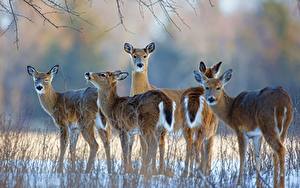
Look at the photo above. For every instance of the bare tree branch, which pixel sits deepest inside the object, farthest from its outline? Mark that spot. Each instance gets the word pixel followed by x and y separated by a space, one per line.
pixel 15 23
pixel 212 5
pixel 160 10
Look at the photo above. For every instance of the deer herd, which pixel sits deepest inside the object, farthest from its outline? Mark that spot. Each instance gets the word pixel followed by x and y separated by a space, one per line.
pixel 152 112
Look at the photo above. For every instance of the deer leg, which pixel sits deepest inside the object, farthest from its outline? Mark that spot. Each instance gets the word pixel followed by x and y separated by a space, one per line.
pixel 162 152
pixel 257 146
pixel 74 134
pixel 152 150
pixel 130 145
pixel 105 137
pixel 243 144
pixel 188 153
pixel 206 155
pixel 273 139
pixel 275 163
pixel 199 145
pixel 145 155
pixel 125 148
pixel 192 159
pixel 63 146
pixel 279 155
pixel 89 137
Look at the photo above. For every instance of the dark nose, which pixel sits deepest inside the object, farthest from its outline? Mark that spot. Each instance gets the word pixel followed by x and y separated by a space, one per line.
pixel 140 65
pixel 39 88
pixel 87 75
pixel 211 99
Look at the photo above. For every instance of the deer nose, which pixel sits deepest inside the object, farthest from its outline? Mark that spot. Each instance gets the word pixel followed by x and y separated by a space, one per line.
pixel 87 75
pixel 211 99
pixel 140 65
pixel 39 87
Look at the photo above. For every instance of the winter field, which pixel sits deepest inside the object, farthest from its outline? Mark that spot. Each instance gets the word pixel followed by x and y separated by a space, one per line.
pixel 29 159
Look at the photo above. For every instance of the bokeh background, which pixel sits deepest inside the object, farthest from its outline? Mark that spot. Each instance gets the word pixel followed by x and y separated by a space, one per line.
pixel 259 40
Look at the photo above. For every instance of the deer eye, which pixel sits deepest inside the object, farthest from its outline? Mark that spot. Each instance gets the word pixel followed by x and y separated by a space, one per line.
pixel 134 56
pixel 145 56
pixel 218 88
pixel 207 88
pixel 102 75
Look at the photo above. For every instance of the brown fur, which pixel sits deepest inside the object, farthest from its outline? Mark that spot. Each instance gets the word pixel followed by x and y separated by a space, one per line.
pixel 68 109
pixel 140 84
pixel 127 113
pixel 268 110
pixel 196 136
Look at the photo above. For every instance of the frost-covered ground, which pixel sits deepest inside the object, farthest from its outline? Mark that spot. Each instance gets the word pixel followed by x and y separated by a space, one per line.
pixel 99 178
pixel 30 160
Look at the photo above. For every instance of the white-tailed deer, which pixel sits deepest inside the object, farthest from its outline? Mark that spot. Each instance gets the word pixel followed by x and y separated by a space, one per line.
pixel 140 84
pixel 252 114
pixel 199 123
pixel 72 111
pixel 150 113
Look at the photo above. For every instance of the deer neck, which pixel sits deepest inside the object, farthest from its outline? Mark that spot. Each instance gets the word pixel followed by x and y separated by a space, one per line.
pixel 48 100
pixel 139 82
pixel 106 98
pixel 223 108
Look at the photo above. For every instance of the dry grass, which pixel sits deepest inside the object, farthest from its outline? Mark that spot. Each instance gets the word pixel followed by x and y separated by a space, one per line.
pixel 30 159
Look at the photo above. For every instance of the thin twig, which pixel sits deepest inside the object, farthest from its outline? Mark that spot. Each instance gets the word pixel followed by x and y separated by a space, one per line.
pixel 15 23
pixel 212 5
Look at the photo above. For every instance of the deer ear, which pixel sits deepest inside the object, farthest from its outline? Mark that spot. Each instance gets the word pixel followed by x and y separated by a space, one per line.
pixel 150 48
pixel 216 68
pixel 54 70
pixel 199 77
pixel 226 76
pixel 31 70
pixel 202 67
pixel 128 48
pixel 121 75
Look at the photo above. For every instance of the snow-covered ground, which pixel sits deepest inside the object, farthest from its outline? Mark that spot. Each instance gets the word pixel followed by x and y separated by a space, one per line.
pixel 30 160
pixel 41 173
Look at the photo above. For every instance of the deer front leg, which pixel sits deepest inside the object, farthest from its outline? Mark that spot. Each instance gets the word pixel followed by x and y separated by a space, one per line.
pixel 63 146
pixel 89 137
pixel 105 137
pixel 243 144
pixel 74 134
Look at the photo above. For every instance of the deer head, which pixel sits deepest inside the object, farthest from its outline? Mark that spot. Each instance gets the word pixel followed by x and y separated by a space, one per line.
pixel 213 87
pixel 42 80
pixel 105 79
pixel 139 56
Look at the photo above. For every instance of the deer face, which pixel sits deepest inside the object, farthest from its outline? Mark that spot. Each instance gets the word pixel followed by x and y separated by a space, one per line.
pixel 213 87
pixel 139 56
pixel 105 79
pixel 42 80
